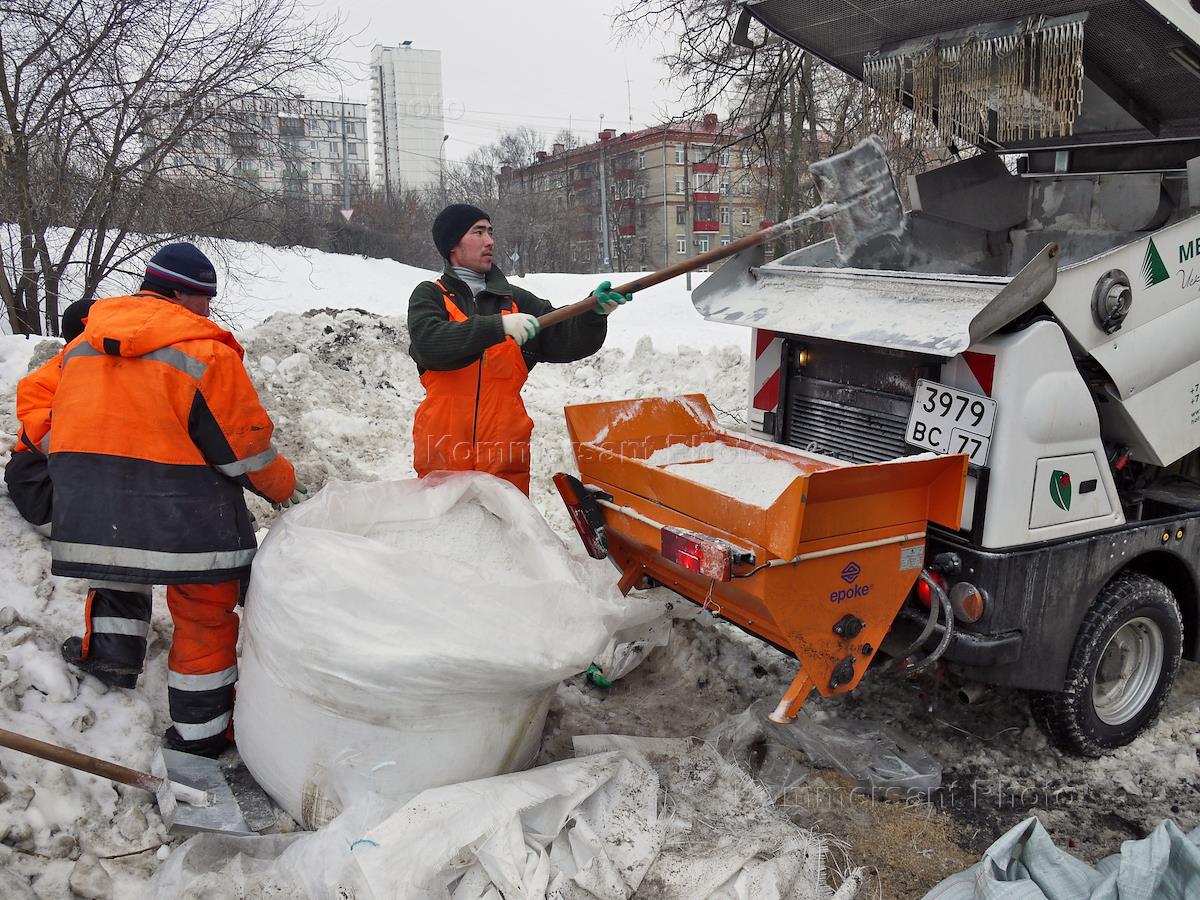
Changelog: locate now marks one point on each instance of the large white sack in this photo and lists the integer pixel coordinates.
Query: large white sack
(414, 631)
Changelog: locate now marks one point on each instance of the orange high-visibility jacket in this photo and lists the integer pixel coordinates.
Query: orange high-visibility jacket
(35, 393)
(473, 418)
(156, 431)
(27, 473)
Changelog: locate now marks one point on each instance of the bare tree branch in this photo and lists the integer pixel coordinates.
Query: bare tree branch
(101, 99)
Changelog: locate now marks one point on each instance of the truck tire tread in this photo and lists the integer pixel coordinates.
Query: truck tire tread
(1064, 715)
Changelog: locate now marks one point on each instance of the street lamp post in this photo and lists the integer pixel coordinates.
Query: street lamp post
(442, 167)
(603, 198)
(345, 161)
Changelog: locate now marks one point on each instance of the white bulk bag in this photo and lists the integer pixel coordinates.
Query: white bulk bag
(409, 634)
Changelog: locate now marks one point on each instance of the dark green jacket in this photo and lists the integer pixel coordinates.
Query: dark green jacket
(439, 344)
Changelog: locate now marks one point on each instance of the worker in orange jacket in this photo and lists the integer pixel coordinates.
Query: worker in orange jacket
(27, 472)
(157, 430)
(474, 338)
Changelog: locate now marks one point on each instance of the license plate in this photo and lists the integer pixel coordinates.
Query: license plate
(947, 420)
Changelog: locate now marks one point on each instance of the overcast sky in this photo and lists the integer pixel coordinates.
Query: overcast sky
(545, 65)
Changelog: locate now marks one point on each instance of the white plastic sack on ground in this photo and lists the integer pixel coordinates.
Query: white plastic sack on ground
(414, 631)
(581, 827)
(588, 823)
(628, 647)
(1024, 864)
(644, 817)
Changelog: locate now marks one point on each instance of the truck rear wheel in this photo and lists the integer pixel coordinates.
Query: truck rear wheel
(1123, 664)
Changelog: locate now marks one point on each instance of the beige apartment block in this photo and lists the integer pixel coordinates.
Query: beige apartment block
(666, 193)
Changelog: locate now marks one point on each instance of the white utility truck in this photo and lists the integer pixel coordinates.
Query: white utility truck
(1038, 312)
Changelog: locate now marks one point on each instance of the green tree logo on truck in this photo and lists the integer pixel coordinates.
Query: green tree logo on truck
(1152, 267)
(1060, 489)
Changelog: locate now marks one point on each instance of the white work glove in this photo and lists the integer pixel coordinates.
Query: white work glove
(520, 326)
(299, 493)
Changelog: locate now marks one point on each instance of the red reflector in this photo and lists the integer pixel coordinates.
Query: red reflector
(925, 592)
(585, 514)
(697, 553)
(592, 541)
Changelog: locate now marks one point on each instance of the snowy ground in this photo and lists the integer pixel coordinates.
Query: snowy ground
(342, 392)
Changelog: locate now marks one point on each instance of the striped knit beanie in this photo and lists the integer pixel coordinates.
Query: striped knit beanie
(180, 267)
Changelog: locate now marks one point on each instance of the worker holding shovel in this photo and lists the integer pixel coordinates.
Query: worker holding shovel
(474, 338)
(156, 431)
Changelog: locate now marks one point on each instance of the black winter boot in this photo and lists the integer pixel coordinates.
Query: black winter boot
(111, 674)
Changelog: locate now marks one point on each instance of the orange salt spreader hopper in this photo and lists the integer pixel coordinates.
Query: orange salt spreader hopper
(820, 571)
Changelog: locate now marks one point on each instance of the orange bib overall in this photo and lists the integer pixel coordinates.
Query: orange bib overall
(473, 418)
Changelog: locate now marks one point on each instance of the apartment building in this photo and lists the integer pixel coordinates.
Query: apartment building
(646, 199)
(407, 123)
(302, 148)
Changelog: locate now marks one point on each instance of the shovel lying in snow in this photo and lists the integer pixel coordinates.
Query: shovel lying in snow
(863, 204)
(207, 804)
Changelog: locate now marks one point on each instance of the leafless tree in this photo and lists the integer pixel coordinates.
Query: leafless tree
(527, 220)
(395, 225)
(709, 70)
(792, 108)
(568, 138)
(105, 103)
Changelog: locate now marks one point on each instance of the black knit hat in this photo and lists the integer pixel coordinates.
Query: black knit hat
(452, 223)
(72, 319)
(180, 267)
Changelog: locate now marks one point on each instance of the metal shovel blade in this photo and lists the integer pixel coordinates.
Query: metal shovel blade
(222, 815)
(860, 182)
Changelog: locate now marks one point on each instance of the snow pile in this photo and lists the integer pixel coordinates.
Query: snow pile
(14, 359)
(50, 815)
(342, 391)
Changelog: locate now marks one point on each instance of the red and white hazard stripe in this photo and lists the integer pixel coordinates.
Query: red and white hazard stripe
(765, 376)
(982, 367)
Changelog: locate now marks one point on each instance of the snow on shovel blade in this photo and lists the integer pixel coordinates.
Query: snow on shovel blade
(163, 793)
(860, 182)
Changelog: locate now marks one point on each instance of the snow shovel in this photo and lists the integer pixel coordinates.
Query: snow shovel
(862, 203)
(207, 804)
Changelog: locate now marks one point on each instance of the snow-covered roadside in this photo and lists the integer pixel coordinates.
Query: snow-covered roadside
(257, 281)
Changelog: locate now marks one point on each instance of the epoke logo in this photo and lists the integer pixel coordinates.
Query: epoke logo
(850, 575)
(1153, 269)
(1060, 489)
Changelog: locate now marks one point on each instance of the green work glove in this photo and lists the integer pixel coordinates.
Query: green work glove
(607, 299)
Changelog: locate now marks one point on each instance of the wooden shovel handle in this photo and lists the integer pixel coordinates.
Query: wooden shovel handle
(687, 265)
(80, 761)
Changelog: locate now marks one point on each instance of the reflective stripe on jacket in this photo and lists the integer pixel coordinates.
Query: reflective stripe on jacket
(473, 418)
(157, 429)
